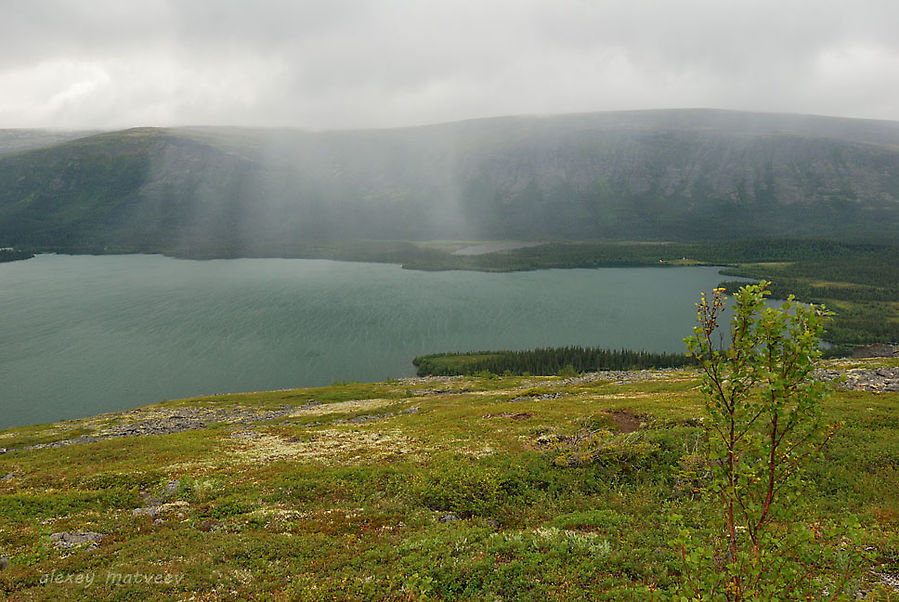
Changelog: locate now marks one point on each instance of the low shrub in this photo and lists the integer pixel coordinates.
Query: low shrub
(463, 487)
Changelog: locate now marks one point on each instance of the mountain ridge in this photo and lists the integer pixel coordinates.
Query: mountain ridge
(641, 175)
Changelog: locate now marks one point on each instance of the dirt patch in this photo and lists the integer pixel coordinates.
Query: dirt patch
(625, 422)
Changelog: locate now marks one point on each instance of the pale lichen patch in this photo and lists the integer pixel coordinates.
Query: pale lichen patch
(634, 395)
(269, 512)
(479, 452)
(195, 466)
(467, 448)
(343, 407)
(267, 448)
(328, 445)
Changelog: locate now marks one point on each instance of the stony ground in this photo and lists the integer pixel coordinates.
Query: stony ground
(154, 420)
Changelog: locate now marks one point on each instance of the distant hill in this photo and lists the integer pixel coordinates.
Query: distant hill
(645, 175)
(16, 140)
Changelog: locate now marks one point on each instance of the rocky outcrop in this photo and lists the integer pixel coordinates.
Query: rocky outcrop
(188, 419)
(155, 503)
(69, 540)
(860, 379)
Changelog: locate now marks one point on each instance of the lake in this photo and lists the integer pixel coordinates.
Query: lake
(81, 335)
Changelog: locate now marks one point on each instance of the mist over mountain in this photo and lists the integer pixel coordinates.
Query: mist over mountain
(15, 140)
(647, 175)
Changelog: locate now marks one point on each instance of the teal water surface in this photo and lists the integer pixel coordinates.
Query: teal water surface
(81, 335)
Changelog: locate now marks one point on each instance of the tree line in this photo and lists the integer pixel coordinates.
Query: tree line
(545, 361)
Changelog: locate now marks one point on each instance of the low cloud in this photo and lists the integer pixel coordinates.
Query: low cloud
(349, 63)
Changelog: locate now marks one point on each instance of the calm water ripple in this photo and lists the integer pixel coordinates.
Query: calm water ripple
(83, 335)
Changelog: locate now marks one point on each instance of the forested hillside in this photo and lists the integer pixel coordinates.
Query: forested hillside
(653, 175)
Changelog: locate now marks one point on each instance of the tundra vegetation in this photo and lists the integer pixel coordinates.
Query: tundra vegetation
(467, 487)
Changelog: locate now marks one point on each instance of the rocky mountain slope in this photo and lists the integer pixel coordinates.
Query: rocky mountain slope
(649, 175)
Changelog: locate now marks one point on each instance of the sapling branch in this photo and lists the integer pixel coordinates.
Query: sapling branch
(762, 409)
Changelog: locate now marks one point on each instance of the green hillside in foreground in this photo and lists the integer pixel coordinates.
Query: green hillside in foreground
(644, 175)
(415, 489)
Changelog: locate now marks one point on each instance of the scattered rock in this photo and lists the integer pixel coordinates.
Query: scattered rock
(428, 380)
(860, 379)
(2, 450)
(176, 423)
(171, 488)
(246, 434)
(364, 418)
(68, 540)
(154, 502)
(888, 580)
(63, 443)
(189, 419)
(8, 477)
(170, 421)
(158, 522)
(586, 378)
(512, 415)
(542, 397)
(440, 391)
(4, 562)
(208, 525)
(448, 518)
(553, 440)
(151, 511)
(620, 377)
(368, 417)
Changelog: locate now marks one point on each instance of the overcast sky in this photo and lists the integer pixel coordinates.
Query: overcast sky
(377, 63)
